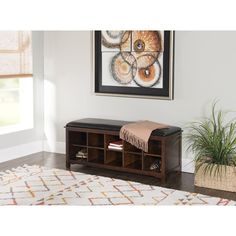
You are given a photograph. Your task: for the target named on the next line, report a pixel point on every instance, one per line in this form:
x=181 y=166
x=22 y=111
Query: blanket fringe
x=134 y=140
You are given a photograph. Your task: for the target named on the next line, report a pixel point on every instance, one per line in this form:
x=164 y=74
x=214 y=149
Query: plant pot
x=226 y=181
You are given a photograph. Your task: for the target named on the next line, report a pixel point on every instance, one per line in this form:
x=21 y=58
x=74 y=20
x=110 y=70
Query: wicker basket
x=226 y=182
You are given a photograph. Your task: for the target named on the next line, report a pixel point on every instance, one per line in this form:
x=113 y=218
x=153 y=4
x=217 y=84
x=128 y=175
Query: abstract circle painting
x=136 y=52
x=134 y=62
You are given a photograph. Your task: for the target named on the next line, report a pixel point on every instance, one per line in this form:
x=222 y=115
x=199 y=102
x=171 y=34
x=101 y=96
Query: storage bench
x=93 y=137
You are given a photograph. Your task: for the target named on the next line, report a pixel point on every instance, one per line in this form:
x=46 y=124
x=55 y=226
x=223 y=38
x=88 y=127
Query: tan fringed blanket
x=138 y=133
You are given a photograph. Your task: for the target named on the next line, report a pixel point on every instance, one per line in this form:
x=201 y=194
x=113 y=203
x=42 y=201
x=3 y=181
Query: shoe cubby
x=95 y=155
x=80 y=151
x=133 y=161
x=78 y=138
x=149 y=160
x=74 y=149
x=130 y=148
x=154 y=147
x=96 y=140
x=113 y=158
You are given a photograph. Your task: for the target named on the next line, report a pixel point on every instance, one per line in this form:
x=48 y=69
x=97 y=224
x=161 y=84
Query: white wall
x=24 y=142
x=205 y=69
x=67 y=62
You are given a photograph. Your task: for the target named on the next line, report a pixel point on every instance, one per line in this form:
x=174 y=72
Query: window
x=16 y=81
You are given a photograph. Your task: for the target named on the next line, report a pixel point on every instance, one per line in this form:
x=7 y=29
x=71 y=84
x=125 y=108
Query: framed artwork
x=134 y=63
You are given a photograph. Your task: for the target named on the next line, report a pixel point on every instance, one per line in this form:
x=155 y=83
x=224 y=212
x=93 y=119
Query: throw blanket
x=138 y=133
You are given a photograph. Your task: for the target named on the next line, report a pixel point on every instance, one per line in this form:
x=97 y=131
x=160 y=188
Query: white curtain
x=15 y=54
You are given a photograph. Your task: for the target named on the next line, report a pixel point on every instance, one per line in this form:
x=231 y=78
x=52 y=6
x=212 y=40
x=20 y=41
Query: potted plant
x=213 y=142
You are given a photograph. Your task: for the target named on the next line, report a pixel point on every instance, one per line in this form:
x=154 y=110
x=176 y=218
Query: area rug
x=36 y=185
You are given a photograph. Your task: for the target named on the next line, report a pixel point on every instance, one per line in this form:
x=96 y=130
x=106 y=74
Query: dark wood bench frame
x=167 y=148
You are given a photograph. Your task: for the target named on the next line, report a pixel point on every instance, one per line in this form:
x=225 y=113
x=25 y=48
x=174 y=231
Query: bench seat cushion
x=115 y=125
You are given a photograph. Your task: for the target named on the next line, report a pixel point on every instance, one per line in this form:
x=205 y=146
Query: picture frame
x=122 y=69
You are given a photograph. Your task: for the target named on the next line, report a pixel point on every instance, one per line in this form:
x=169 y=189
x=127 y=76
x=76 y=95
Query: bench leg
x=68 y=165
x=163 y=179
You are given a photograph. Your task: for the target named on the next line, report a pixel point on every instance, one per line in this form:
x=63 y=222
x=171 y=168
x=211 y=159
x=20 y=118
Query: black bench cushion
x=115 y=125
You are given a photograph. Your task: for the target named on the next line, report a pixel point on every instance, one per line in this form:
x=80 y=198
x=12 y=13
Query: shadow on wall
x=50 y=131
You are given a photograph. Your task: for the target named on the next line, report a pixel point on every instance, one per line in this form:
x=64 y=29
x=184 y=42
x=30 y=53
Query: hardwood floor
x=183 y=181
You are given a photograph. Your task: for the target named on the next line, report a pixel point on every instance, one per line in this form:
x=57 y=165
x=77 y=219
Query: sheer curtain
x=15 y=54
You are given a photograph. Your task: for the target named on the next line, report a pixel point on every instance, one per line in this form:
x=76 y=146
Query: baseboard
x=188 y=165
x=18 y=151
x=58 y=147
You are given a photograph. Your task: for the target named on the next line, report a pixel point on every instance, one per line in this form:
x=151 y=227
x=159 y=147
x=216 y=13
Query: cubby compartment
x=154 y=147
x=133 y=161
x=152 y=163
x=96 y=155
x=112 y=138
x=113 y=158
x=96 y=140
x=74 y=149
x=130 y=148
x=81 y=154
x=78 y=138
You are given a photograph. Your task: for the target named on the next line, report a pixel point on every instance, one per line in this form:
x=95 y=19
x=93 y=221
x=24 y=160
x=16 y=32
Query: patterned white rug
x=35 y=185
